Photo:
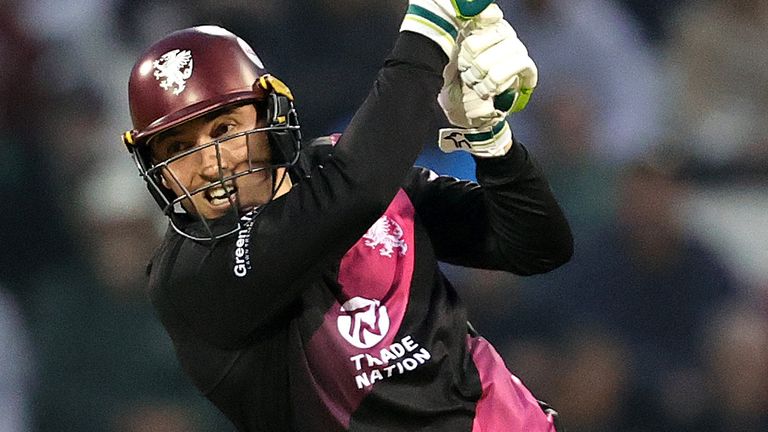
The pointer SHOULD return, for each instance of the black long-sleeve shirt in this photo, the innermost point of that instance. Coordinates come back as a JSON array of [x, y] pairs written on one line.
[[327, 311]]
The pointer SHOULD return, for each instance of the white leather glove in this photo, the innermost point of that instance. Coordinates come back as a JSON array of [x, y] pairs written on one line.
[[441, 20], [489, 76], [492, 61]]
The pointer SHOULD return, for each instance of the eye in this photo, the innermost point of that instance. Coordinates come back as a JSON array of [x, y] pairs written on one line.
[[176, 147], [223, 129], [166, 150]]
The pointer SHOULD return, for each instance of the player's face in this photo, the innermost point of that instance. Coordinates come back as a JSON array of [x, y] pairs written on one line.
[[200, 164]]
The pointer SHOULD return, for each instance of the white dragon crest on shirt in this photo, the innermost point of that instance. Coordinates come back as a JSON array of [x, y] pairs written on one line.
[[173, 69], [388, 234]]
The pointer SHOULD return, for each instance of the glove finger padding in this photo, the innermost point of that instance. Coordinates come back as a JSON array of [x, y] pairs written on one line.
[[464, 108], [482, 35], [480, 112], [493, 62], [515, 72], [472, 51], [490, 59]]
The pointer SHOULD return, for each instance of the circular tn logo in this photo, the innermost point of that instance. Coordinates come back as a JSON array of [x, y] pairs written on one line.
[[363, 322]]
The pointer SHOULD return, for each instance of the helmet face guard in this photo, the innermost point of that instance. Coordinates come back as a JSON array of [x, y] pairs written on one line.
[[194, 73], [185, 217]]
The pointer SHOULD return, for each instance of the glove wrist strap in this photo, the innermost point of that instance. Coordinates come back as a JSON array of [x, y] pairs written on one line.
[[441, 30], [482, 142], [441, 20]]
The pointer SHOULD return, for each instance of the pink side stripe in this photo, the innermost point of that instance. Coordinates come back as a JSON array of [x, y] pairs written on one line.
[[506, 404]]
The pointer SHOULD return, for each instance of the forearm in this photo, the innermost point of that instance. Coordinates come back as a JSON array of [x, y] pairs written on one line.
[[389, 130], [529, 230], [510, 221]]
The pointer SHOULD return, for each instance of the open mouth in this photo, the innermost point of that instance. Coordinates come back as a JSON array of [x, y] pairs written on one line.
[[221, 196]]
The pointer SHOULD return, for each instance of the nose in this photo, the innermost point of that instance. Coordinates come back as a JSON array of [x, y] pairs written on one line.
[[213, 157]]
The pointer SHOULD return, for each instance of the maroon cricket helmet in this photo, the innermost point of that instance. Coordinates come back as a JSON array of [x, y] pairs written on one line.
[[189, 73]]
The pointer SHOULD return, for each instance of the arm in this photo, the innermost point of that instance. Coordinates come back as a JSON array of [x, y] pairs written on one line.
[[510, 221]]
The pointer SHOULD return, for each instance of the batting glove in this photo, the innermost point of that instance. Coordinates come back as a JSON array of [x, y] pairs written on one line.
[[489, 76], [441, 20], [494, 63]]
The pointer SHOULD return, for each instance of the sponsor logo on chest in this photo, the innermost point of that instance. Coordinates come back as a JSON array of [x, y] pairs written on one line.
[[364, 323], [242, 258]]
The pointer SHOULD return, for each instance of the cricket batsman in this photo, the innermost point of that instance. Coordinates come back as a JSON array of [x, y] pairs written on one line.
[[299, 279]]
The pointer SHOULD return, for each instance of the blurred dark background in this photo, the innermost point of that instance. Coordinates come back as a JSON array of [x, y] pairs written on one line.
[[650, 121]]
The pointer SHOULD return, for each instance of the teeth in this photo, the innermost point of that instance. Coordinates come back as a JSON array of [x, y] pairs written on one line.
[[220, 195]]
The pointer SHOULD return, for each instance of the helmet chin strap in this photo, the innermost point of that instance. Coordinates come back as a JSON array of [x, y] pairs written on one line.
[[277, 185], [212, 237]]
